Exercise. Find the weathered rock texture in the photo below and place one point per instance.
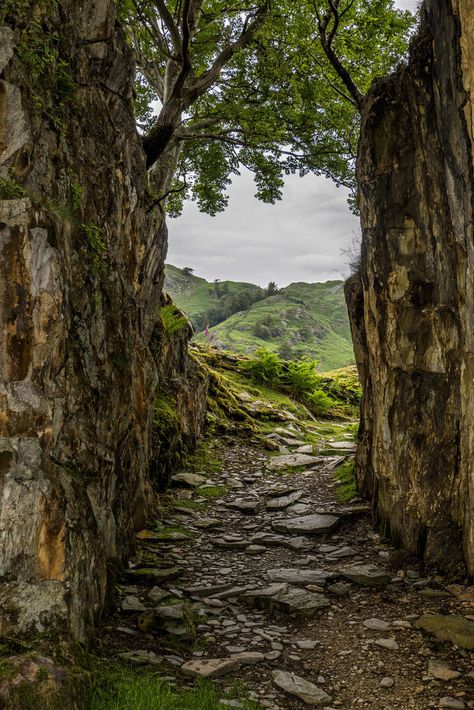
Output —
(412, 310)
(81, 271)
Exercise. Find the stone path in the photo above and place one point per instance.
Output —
(276, 583)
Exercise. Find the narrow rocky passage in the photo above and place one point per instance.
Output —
(259, 573)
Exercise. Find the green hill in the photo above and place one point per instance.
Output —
(301, 319)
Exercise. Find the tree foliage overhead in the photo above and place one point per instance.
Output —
(275, 87)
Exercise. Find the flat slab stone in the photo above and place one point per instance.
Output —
(192, 480)
(288, 599)
(301, 688)
(244, 506)
(284, 501)
(152, 575)
(351, 511)
(140, 658)
(207, 590)
(342, 445)
(367, 575)
(207, 523)
(157, 595)
(308, 524)
(306, 449)
(299, 576)
(292, 461)
(231, 544)
(132, 604)
(291, 543)
(389, 644)
(340, 553)
(210, 667)
(377, 624)
(441, 671)
(456, 629)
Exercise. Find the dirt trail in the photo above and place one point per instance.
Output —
(234, 581)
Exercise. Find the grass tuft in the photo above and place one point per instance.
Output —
(123, 689)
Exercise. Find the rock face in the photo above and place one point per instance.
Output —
(82, 347)
(412, 305)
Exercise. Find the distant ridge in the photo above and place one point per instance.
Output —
(302, 319)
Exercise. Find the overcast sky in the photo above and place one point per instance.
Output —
(301, 238)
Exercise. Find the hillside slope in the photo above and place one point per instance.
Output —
(301, 319)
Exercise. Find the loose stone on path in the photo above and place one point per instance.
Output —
(367, 575)
(292, 461)
(307, 524)
(301, 688)
(210, 667)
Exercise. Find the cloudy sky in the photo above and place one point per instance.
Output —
(302, 238)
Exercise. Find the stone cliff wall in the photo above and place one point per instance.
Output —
(81, 272)
(412, 306)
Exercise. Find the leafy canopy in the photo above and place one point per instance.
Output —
(246, 83)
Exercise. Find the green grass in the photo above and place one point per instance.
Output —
(124, 689)
(344, 476)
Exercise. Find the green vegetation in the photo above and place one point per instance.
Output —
(11, 190)
(208, 303)
(96, 244)
(265, 367)
(213, 491)
(300, 320)
(344, 476)
(299, 378)
(167, 532)
(173, 320)
(76, 195)
(251, 76)
(203, 458)
(119, 688)
(42, 50)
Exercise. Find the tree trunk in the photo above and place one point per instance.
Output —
(81, 264)
(412, 306)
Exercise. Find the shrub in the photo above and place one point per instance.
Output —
(302, 376)
(265, 367)
(318, 402)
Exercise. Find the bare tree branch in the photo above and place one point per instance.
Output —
(208, 78)
(326, 43)
(170, 24)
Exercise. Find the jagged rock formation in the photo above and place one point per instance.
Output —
(81, 264)
(412, 311)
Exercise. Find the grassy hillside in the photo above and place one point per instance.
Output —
(302, 319)
(206, 302)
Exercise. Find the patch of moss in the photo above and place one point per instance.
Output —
(213, 491)
(167, 532)
(203, 458)
(165, 414)
(345, 478)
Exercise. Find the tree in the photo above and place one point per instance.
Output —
(252, 84)
(271, 289)
(188, 271)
